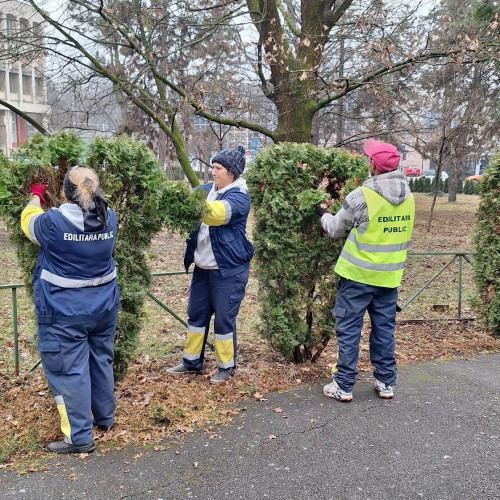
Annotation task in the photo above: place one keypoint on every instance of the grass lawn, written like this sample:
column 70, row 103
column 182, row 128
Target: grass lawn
column 151, row 406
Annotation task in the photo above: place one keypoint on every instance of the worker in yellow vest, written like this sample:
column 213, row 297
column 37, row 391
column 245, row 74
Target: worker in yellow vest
column 377, row 219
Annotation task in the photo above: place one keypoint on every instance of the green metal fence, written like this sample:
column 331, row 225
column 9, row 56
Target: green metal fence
column 461, row 256
column 15, row 286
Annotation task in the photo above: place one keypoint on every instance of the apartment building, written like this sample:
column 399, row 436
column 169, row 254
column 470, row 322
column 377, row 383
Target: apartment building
column 22, row 78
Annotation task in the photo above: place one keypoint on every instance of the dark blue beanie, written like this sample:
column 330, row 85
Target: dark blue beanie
column 231, row 159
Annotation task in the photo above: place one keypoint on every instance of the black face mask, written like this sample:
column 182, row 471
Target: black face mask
column 101, row 204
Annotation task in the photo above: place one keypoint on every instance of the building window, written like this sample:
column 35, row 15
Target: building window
column 13, row 83
column 27, row 85
column 24, row 26
column 11, row 24
column 13, row 127
column 201, row 123
column 39, row 87
column 2, row 82
column 3, row 132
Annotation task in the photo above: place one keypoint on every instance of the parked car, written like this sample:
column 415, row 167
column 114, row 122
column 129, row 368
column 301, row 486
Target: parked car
column 474, row 178
column 411, row 171
column 431, row 174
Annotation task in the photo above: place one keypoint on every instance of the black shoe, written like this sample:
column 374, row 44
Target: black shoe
column 63, row 447
column 106, row 428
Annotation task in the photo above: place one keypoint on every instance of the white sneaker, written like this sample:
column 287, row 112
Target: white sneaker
column 332, row 390
column 384, row 391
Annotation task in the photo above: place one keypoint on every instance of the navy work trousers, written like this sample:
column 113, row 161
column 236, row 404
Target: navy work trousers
column 211, row 294
column 78, row 362
column 352, row 301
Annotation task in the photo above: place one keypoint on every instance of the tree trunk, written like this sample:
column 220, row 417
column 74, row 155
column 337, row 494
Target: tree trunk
column 298, row 354
column 340, row 103
column 315, row 129
column 162, row 148
column 205, row 175
column 294, row 120
column 454, row 176
column 180, row 148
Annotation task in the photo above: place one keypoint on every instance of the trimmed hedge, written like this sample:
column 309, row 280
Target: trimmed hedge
column 294, row 259
column 486, row 247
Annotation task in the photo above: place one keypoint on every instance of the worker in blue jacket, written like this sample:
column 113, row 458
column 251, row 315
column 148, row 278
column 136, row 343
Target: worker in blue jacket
column 221, row 252
column 76, row 303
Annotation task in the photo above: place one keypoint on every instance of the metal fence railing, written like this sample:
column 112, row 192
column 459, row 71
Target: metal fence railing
column 461, row 256
column 15, row 286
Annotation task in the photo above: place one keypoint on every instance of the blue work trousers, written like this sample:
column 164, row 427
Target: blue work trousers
column 78, row 362
column 352, row 301
column 211, row 294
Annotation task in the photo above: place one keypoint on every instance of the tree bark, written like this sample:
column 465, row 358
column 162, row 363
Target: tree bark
column 454, row 176
column 294, row 121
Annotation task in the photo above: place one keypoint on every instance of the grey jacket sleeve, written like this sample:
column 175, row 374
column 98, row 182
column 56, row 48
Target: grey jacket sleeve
column 354, row 213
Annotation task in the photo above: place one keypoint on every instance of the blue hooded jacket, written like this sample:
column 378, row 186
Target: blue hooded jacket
column 230, row 245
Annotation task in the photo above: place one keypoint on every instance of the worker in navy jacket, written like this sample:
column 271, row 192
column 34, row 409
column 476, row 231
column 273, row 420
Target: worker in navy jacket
column 76, row 303
column 221, row 253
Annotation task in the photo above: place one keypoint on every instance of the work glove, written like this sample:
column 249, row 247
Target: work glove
column 321, row 211
column 39, row 190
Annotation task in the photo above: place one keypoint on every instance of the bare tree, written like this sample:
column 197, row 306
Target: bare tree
column 293, row 50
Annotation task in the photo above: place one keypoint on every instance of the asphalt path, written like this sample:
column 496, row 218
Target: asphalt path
column 439, row 438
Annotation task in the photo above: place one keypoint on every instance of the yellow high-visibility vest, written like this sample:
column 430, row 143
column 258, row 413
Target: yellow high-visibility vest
column 378, row 256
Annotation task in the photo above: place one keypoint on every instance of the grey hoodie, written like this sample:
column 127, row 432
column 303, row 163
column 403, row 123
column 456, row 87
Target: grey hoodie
column 354, row 212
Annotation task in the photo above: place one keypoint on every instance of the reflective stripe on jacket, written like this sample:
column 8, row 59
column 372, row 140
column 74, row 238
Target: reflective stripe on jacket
column 378, row 256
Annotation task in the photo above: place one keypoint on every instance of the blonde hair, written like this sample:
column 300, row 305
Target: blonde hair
column 86, row 182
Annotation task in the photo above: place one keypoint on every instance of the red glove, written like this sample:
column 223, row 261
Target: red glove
column 39, row 190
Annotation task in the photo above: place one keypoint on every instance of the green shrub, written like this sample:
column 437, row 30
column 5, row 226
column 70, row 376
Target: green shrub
column 134, row 184
column 132, row 180
column 460, row 186
column 294, row 258
column 445, row 185
column 439, row 194
column 486, row 247
column 41, row 159
column 182, row 207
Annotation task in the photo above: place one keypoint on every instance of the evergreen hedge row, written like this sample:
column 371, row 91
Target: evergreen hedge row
column 294, row 259
column 419, row 185
column 486, row 247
